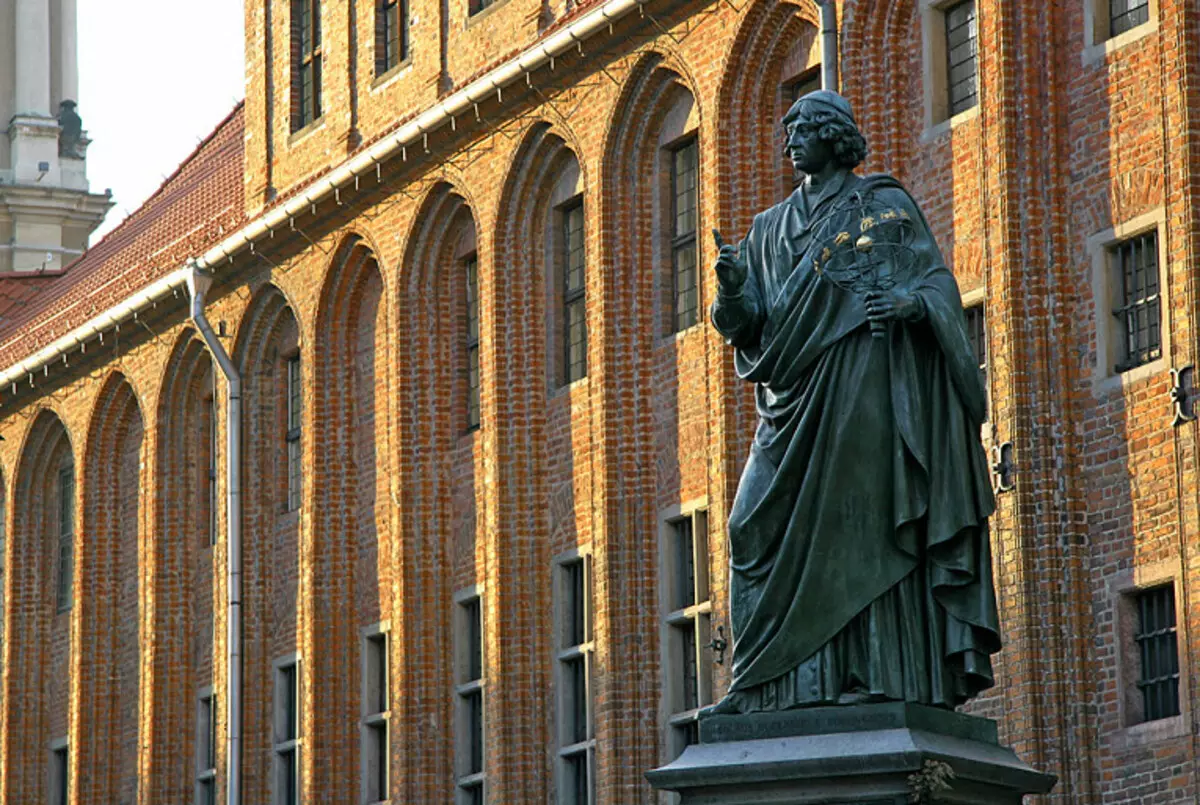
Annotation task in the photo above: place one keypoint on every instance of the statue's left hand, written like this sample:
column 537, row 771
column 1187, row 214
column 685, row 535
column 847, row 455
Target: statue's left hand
column 893, row 304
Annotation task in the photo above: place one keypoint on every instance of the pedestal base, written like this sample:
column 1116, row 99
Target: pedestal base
column 872, row 754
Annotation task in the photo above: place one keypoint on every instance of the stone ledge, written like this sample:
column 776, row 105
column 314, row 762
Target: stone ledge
column 859, row 718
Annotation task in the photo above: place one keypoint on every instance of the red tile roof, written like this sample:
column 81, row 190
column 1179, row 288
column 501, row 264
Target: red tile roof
column 194, row 209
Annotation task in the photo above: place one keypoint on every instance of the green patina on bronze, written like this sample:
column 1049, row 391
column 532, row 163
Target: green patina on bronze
column 859, row 555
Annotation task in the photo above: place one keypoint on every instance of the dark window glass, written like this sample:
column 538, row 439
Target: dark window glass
column 375, row 705
column 377, row 782
column 962, row 38
column 376, row 694
column 471, row 274
column 574, row 294
column 475, row 6
column 689, row 733
column 66, row 536
column 291, row 719
column 208, row 792
column 683, row 234
column 1126, row 14
column 691, row 687
column 62, row 771
column 575, row 671
column 1157, row 645
column 212, row 470
column 474, row 623
column 576, row 611
column 685, row 564
column 287, row 729
column 292, row 436
column 1136, row 262
column 208, row 733
column 577, row 778
column 306, row 62
column 289, row 771
column 391, row 34
column 475, row 795
column 977, row 333
column 475, row 725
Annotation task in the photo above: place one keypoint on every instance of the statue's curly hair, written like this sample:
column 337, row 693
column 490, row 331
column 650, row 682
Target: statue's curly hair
column 849, row 147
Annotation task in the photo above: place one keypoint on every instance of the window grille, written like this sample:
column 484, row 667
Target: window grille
column 66, row 537
column 1126, row 14
column 306, row 61
column 574, row 293
column 470, row 751
column 962, row 37
column 684, row 171
column 295, row 403
column 1158, row 648
column 471, row 274
column 1136, row 264
column 576, row 729
column 375, row 717
column 287, row 733
column 391, row 34
column 689, row 673
column 206, row 750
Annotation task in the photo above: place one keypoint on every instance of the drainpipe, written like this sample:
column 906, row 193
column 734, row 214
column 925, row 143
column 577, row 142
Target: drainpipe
column 829, row 45
column 198, row 283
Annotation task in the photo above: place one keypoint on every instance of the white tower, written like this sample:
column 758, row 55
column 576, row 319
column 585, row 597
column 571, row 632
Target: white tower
column 46, row 211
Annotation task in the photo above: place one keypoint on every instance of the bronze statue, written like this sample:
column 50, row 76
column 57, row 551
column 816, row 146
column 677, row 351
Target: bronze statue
column 859, row 555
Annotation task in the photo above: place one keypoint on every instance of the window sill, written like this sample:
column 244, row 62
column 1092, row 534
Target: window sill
column 1151, row 732
column 1099, row 52
column 679, row 335
column 392, row 75
column 1110, row 384
column 567, row 389
column 302, row 134
column 938, row 130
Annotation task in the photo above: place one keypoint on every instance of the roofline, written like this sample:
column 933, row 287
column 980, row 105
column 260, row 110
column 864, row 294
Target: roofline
column 445, row 111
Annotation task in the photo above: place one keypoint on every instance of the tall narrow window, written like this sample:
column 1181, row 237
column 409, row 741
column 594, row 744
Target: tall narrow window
column 66, row 536
column 809, row 81
column 475, row 6
column 1135, row 262
column 576, row 735
column 391, row 34
column 295, row 402
column 306, row 62
column 1126, row 14
column 287, row 733
column 977, row 333
column 574, row 293
column 962, row 39
column 211, row 409
column 206, row 749
column 1158, row 650
column 683, row 234
column 60, row 770
column 470, row 764
column 375, row 717
column 471, row 275
column 685, row 576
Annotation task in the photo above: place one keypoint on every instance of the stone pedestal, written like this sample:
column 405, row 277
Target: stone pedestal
column 871, row 754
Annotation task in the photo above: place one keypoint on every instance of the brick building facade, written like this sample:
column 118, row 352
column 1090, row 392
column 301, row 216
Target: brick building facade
column 483, row 553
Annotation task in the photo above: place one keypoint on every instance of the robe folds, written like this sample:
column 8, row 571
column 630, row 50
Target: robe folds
column 859, row 553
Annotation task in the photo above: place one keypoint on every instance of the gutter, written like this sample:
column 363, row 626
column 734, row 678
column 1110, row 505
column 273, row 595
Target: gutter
column 829, row 45
column 445, row 111
column 198, row 284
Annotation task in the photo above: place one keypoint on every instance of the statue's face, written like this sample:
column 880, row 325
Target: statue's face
column 805, row 148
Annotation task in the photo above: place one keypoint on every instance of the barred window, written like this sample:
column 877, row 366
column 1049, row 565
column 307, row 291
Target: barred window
column 66, row 537
column 470, row 763
column 809, row 81
column 287, row 733
column 206, row 749
column 962, row 38
column 391, row 34
column 1135, row 262
column 295, row 402
column 689, row 675
column 1126, row 14
column 977, row 333
column 574, row 293
column 306, row 62
column 684, row 170
column 471, row 298
column 576, row 729
column 375, row 702
column 1158, row 679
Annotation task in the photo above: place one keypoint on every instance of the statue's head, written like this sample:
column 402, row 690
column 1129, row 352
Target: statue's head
column 820, row 129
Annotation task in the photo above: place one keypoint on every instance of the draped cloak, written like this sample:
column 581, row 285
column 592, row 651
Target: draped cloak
column 859, row 552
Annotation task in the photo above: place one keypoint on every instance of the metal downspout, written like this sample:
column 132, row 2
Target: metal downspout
column 198, row 283
column 829, row 45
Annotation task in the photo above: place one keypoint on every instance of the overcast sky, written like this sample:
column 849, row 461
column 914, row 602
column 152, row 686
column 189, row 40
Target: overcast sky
column 155, row 76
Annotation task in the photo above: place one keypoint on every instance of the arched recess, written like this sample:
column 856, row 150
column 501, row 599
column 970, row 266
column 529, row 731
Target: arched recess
column 37, row 694
column 181, row 573
column 108, row 662
column 269, row 357
column 640, row 394
column 541, row 247
column 349, row 512
column 439, row 459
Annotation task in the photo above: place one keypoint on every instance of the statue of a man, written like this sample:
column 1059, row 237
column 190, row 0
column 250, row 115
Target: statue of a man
column 859, row 555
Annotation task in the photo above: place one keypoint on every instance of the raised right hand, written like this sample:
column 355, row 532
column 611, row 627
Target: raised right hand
column 730, row 267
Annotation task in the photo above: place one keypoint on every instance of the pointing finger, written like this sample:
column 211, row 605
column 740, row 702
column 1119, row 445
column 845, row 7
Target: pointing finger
column 720, row 240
